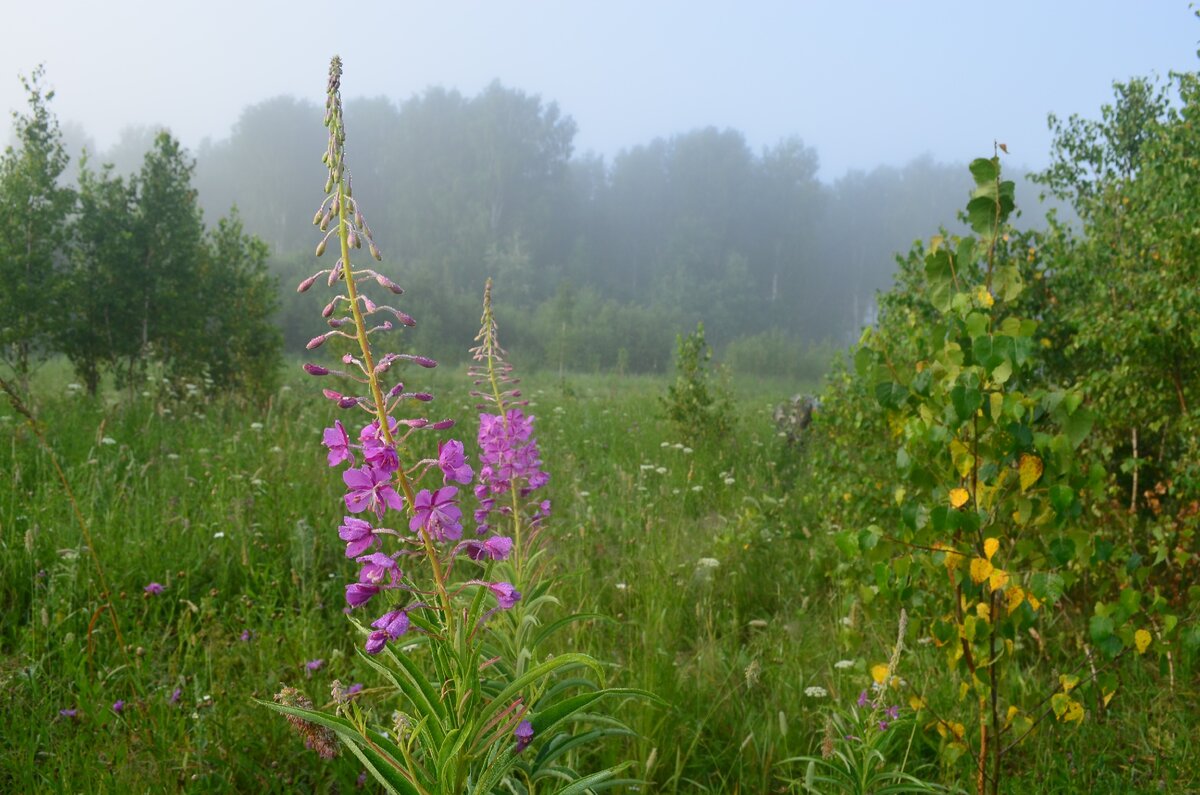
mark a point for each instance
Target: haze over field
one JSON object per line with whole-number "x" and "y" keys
{"x": 864, "y": 83}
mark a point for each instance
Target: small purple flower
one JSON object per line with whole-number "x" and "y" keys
{"x": 175, "y": 694}
{"x": 338, "y": 442}
{"x": 506, "y": 595}
{"x": 376, "y": 641}
{"x": 524, "y": 735}
{"x": 394, "y": 624}
{"x": 154, "y": 588}
{"x": 495, "y": 548}
{"x": 353, "y": 690}
{"x": 370, "y": 488}
{"x": 358, "y": 536}
{"x": 376, "y": 567}
{"x": 312, "y": 666}
{"x": 453, "y": 462}
{"x": 893, "y": 712}
{"x": 246, "y": 636}
{"x": 359, "y": 593}
{"x": 883, "y": 724}
{"x": 437, "y": 514}
{"x": 69, "y": 713}
{"x": 371, "y": 432}
{"x": 118, "y": 706}
{"x": 381, "y": 455}
{"x": 862, "y": 699}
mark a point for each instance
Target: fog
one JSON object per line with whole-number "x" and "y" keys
{"x": 650, "y": 165}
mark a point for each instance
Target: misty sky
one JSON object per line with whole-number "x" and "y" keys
{"x": 863, "y": 82}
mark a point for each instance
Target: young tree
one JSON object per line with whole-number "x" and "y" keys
{"x": 34, "y": 230}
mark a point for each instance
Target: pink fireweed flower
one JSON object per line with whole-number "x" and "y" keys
{"x": 394, "y": 624}
{"x": 371, "y": 432}
{"x": 437, "y": 515}
{"x": 506, "y": 595}
{"x": 377, "y": 567}
{"x": 370, "y": 488}
{"x": 154, "y": 589}
{"x": 453, "y": 463}
{"x": 381, "y": 455}
{"x": 358, "y": 535}
{"x": 359, "y": 593}
{"x": 494, "y": 548}
{"x": 338, "y": 442}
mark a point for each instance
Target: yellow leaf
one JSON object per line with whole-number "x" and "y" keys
{"x": 1108, "y": 696}
{"x": 1141, "y": 639}
{"x": 1030, "y": 468}
{"x": 984, "y": 297}
{"x": 990, "y": 545}
{"x": 879, "y": 673}
{"x": 980, "y": 569}
{"x": 916, "y": 703}
{"x": 935, "y": 243}
{"x": 1012, "y": 713}
{"x": 1074, "y": 712}
{"x": 963, "y": 689}
{"x": 998, "y": 579}
{"x": 984, "y": 611}
{"x": 1014, "y": 597}
{"x": 996, "y": 404}
{"x": 1068, "y": 682}
{"x": 958, "y": 497}
{"x": 1034, "y": 602}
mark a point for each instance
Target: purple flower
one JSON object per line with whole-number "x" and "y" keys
{"x": 118, "y": 706}
{"x": 376, "y": 566}
{"x": 893, "y": 712}
{"x": 69, "y": 713}
{"x": 370, "y": 488}
{"x": 175, "y": 694}
{"x": 437, "y": 514}
{"x": 381, "y": 455}
{"x": 495, "y": 548}
{"x": 506, "y": 595}
{"x": 338, "y": 442}
{"x": 246, "y": 635}
{"x": 862, "y": 699}
{"x": 353, "y": 690}
{"x": 371, "y": 432}
{"x": 312, "y": 666}
{"x": 393, "y": 624}
{"x": 883, "y": 724}
{"x": 154, "y": 588}
{"x": 359, "y": 593}
{"x": 524, "y": 735}
{"x": 358, "y": 536}
{"x": 376, "y": 641}
{"x": 453, "y": 462}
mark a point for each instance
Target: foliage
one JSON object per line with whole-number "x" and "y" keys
{"x": 696, "y": 405}
{"x": 34, "y": 210}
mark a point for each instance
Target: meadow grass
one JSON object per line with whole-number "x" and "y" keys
{"x": 711, "y": 590}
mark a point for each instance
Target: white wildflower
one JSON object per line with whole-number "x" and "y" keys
{"x": 816, "y": 691}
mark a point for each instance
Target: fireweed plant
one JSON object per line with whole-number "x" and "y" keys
{"x": 465, "y": 718}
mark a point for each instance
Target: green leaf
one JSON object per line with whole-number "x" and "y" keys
{"x": 582, "y": 785}
{"x": 891, "y": 395}
{"x": 986, "y": 170}
{"x": 541, "y": 671}
{"x": 1078, "y": 425}
{"x": 966, "y": 400}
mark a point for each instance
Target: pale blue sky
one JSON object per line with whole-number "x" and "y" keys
{"x": 863, "y": 82}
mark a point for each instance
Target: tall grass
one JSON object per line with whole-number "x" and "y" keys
{"x": 717, "y": 595}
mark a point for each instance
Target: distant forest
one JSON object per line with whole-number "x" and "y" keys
{"x": 598, "y": 264}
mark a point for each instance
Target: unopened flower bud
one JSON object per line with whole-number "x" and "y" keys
{"x": 352, "y": 239}
{"x": 315, "y": 369}
{"x": 424, "y": 397}
{"x": 404, "y": 318}
{"x": 443, "y": 425}
{"x": 347, "y": 402}
{"x": 321, "y": 245}
{"x": 374, "y": 249}
{"x": 396, "y": 390}
{"x": 368, "y": 305}
{"x": 332, "y": 395}
{"x": 328, "y": 310}
{"x": 317, "y": 218}
{"x": 388, "y": 284}
{"x": 424, "y": 361}
{"x": 316, "y": 341}
{"x": 307, "y": 283}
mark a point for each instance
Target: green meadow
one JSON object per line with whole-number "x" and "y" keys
{"x": 711, "y": 584}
